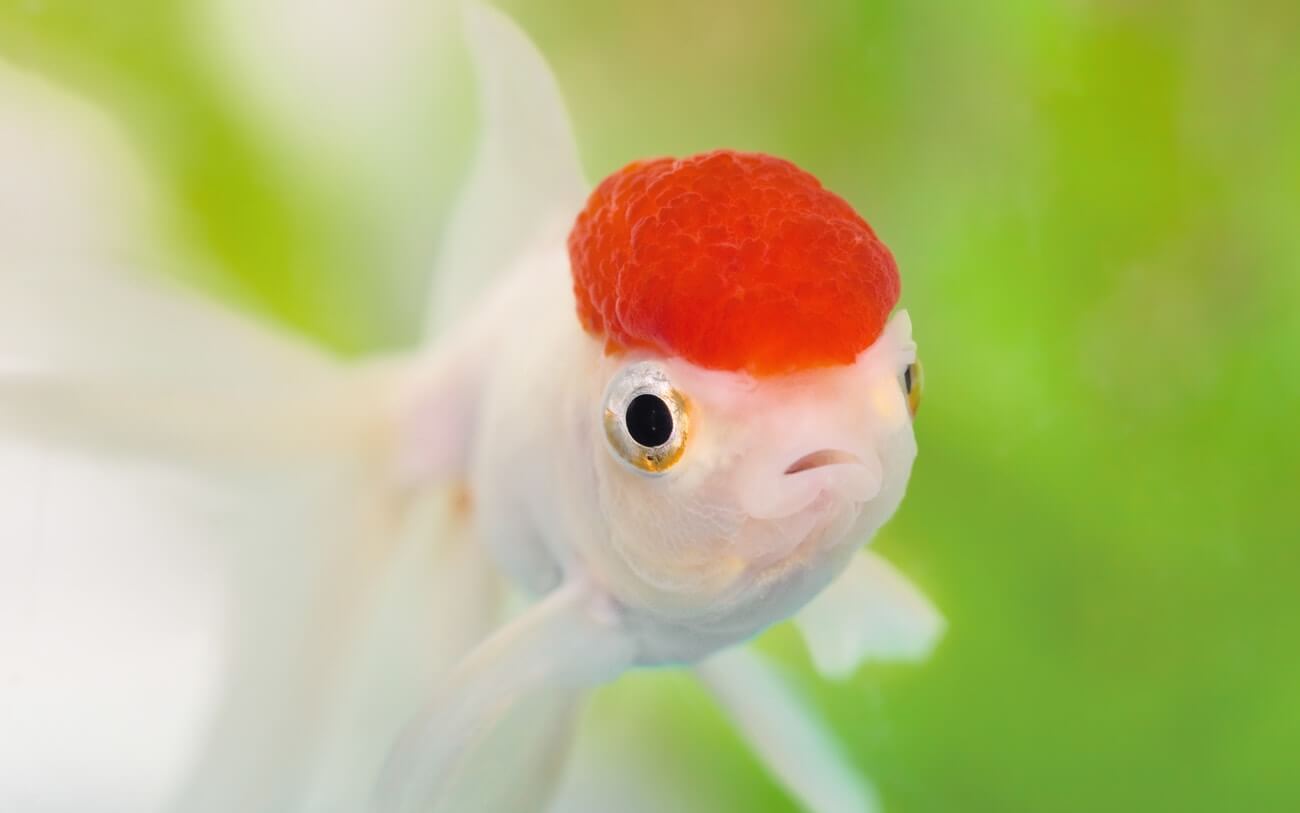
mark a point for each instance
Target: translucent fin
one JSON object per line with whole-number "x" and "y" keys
{"x": 191, "y": 514}
{"x": 566, "y": 640}
{"x": 87, "y": 345}
{"x": 349, "y": 81}
{"x": 71, "y": 193}
{"x": 526, "y": 184}
{"x": 871, "y": 612}
{"x": 114, "y": 624}
{"x": 531, "y": 747}
{"x": 785, "y": 733}
{"x": 148, "y": 599}
{"x": 441, "y": 596}
{"x": 437, "y": 595}
{"x": 615, "y": 766}
{"x": 359, "y": 93}
{"x": 137, "y": 365}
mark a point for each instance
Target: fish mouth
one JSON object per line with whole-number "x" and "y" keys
{"x": 827, "y": 474}
{"x": 821, "y": 458}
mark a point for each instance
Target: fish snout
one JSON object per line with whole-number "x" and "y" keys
{"x": 795, "y": 482}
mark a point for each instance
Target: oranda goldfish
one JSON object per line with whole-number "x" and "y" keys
{"x": 666, "y": 414}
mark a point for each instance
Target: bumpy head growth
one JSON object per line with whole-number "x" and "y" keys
{"x": 732, "y": 261}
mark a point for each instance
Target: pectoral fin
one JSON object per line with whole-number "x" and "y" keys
{"x": 520, "y": 764}
{"x": 870, "y": 612}
{"x": 786, "y": 734}
{"x": 564, "y": 642}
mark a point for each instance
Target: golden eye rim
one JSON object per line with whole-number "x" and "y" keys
{"x": 913, "y": 374}
{"x": 645, "y": 378}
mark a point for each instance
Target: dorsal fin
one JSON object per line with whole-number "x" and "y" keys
{"x": 526, "y": 177}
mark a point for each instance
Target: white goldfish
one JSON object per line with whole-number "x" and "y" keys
{"x": 243, "y": 575}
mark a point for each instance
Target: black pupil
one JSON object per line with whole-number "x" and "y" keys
{"x": 907, "y": 379}
{"x": 648, "y": 420}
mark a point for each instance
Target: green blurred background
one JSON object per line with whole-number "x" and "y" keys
{"x": 1096, "y": 208}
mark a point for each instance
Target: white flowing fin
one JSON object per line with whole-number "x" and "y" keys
{"x": 526, "y": 184}
{"x": 871, "y": 612}
{"x": 131, "y": 363}
{"x": 161, "y": 618}
{"x": 524, "y": 190}
{"x": 70, "y": 189}
{"x": 90, "y": 344}
{"x": 618, "y": 765}
{"x": 352, "y": 87}
{"x": 786, "y": 734}
{"x": 437, "y": 597}
{"x": 520, "y": 764}
{"x": 441, "y": 596}
{"x": 162, "y": 612}
{"x": 360, "y": 107}
{"x": 114, "y": 628}
{"x": 567, "y": 640}
{"x": 337, "y": 79}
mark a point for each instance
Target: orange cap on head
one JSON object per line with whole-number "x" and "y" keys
{"x": 732, "y": 261}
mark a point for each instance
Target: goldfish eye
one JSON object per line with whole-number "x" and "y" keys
{"x": 645, "y": 419}
{"x": 913, "y": 384}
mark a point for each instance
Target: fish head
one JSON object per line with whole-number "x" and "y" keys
{"x": 755, "y": 395}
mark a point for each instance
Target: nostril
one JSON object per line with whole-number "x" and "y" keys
{"x": 822, "y": 457}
